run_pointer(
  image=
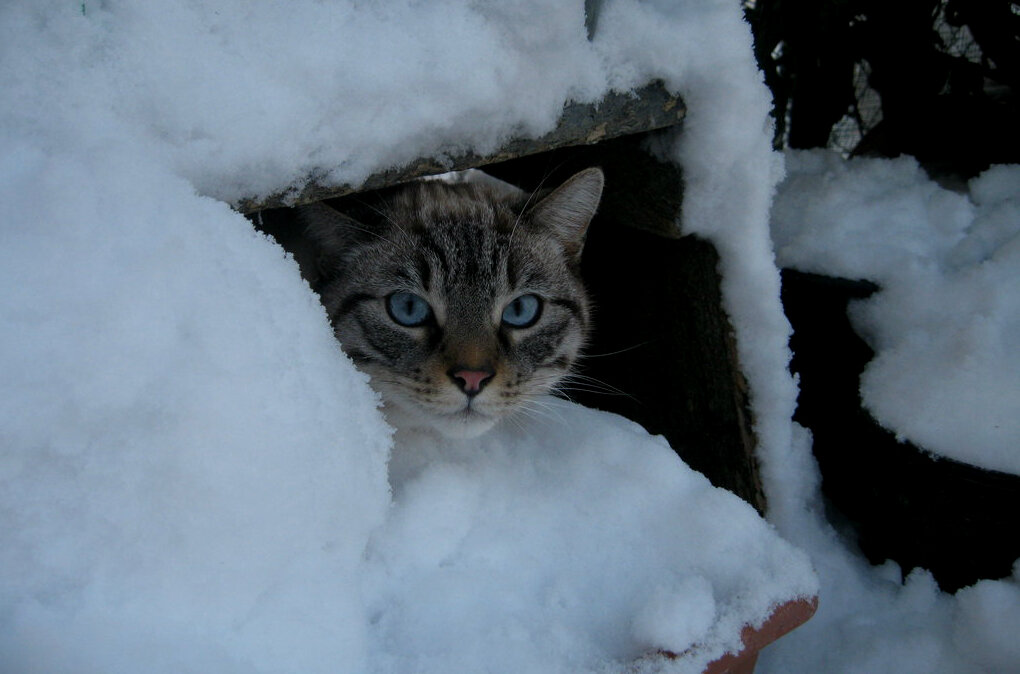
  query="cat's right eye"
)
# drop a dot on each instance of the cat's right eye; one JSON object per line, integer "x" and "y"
{"x": 408, "y": 309}
{"x": 523, "y": 311}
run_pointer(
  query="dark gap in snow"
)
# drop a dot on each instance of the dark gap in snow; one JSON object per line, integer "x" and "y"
{"x": 907, "y": 505}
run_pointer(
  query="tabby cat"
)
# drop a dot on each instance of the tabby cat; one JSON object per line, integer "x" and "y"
{"x": 462, "y": 301}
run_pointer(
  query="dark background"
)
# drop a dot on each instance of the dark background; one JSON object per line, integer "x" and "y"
{"x": 937, "y": 80}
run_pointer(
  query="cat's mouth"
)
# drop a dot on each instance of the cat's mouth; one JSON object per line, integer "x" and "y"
{"x": 465, "y": 424}
{"x": 467, "y": 421}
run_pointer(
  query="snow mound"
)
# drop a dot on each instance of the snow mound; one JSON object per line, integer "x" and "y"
{"x": 567, "y": 543}
{"x": 190, "y": 465}
{"x": 944, "y": 324}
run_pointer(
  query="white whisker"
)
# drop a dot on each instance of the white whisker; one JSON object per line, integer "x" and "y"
{"x": 374, "y": 233}
{"x": 524, "y": 209}
{"x": 584, "y": 356}
{"x": 541, "y": 408}
{"x": 388, "y": 218}
{"x": 585, "y": 384}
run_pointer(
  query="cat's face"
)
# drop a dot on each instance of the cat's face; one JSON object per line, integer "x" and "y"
{"x": 462, "y": 303}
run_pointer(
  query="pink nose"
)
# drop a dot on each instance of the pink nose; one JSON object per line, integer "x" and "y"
{"x": 471, "y": 381}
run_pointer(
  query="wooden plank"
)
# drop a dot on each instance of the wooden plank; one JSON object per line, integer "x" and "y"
{"x": 618, "y": 114}
{"x": 663, "y": 338}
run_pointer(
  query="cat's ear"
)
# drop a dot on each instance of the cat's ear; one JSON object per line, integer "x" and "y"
{"x": 568, "y": 210}
{"x": 328, "y": 233}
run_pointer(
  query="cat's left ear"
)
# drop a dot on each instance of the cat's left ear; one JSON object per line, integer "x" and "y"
{"x": 568, "y": 210}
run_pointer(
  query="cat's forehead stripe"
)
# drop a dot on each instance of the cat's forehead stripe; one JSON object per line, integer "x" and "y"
{"x": 474, "y": 248}
{"x": 424, "y": 272}
{"x": 512, "y": 268}
{"x": 434, "y": 250}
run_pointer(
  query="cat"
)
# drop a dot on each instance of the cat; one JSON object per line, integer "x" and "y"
{"x": 462, "y": 302}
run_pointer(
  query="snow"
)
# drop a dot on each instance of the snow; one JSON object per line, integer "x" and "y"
{"x": 871, "y": 619}
{"x": 158, "y": 483}
{"x": 194, "y": 478}
{"x": 592, "y": 543}
{"x": 944, "y": 324}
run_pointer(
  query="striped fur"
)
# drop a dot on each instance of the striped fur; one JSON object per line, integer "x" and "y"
{"x": 469, "y": 250}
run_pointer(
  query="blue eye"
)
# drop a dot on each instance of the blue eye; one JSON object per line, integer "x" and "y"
{"x": 408, "y": 309}
{"x": 522, "y": 312}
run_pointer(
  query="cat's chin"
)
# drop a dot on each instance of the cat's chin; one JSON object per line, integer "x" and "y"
{"x": 463, "y": 425}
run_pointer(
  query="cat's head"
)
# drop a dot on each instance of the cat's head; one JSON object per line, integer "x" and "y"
{"x": 462, "y": 302}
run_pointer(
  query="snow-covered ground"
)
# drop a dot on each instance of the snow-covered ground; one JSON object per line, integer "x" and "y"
{"x": 194, "y": 478}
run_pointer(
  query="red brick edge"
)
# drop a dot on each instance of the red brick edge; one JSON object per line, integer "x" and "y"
{"x": 785, "y": 618}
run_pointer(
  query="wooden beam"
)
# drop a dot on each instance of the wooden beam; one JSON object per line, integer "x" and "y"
{"x": 618, "y": 114}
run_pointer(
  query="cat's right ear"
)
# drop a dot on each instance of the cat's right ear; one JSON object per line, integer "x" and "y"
{"x": 568, "y": 210}
{"x": 328, "y": 233}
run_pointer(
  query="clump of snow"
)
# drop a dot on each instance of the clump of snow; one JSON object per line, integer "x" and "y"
{"x": 245, "y": 99}
{"x": 164, "y": 499}
{"x": 680, "y": 615}
{"x": 871, "y": 619}
{"x": 944, "y": 324}
{"x": 886, "y": 624}
{"x": 566, "y": 543}
{"x": 985, "y": 621}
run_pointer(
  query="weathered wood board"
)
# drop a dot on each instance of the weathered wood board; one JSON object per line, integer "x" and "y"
{"x": 618, "y": 114}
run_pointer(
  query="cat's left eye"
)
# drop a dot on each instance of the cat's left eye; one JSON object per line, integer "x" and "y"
{"x": 408, "y": 309}
{"x": 523, "y": 311}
